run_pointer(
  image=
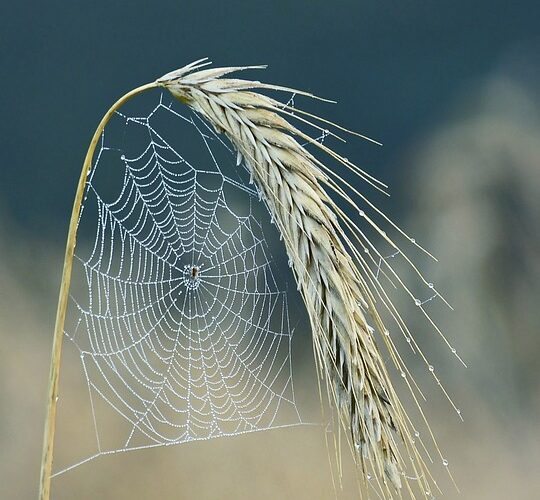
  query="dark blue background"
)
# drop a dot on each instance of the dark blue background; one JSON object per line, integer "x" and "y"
{"x": 393, "y": 66}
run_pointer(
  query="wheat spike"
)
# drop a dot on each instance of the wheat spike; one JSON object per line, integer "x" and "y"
{"x": 331, "y": 274}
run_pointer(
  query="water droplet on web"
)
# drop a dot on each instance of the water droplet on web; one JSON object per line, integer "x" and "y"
{"x": 123, "y": 157}
{"x": 418, "y": 302}
{"x": 431, "y": 285}
{"x": 362, "y": 213}
{"x": 445, "y": 462}
{"x": 416, "y": 434}
{"x": 408, "y": 339}
{"x": 453, "y": 350}
{"x": 431, "y": 368}
{"x": 403, "y": 374}
{"x": 366, "y": 250}
{"x": 413, "y": 240}
{"x": 387, "y": 333}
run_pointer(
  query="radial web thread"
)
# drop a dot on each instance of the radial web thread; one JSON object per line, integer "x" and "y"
{"x": 181, "y": 317}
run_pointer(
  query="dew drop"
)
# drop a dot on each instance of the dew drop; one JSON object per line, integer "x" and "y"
{"x": 413, "y": 240}
{"x": 408, "y": 339}
{"x": 431, "y": 285}
{"x": 362, "y": 213}
{"x": 445, "y": 462}
{"x": 418, "y": 302}
{"x": 123, "y": 157}
{"x": 387, "y": 333}
{"x": 403, "y": 374}
{"x": 431, "y": 368}
{"x": 454, "y": 350}
{"x": 416, "y": 434}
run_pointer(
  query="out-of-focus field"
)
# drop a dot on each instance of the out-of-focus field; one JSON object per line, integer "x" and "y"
{"x": 473, "y": 198}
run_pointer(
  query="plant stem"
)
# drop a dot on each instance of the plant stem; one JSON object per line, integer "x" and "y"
{"x": 52, "y": 398}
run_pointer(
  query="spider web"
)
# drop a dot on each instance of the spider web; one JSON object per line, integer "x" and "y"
{"x": 180, "y": 316}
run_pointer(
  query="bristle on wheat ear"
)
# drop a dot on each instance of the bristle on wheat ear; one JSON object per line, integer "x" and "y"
{"x": 327, "y": 267}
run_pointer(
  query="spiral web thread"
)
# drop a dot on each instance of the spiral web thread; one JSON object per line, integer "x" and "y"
{"x": 182, "y": 322}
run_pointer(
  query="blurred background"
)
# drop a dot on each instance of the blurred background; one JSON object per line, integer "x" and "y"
{"x": 451, "y": 89}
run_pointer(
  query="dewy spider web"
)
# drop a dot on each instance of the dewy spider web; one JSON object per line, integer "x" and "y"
{"x": 181, "y": 321}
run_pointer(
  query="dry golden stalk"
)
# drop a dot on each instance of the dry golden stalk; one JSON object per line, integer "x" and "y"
{"x": 54, "y": 376}
{"x": 336, "y": 282}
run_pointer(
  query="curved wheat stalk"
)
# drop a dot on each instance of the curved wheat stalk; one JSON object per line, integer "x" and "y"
{"x": 337, "y": 292}
{"x": 335, "y": 279}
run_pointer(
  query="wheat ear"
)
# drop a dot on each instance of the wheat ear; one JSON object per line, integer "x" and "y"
{"x": 330, "y": 273}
